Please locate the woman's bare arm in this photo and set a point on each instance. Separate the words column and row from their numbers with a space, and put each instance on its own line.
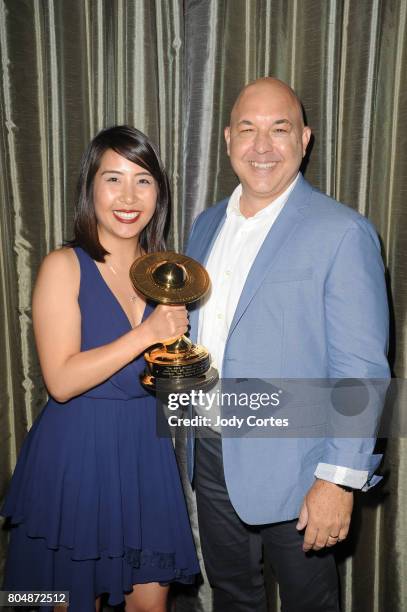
column 57, row 326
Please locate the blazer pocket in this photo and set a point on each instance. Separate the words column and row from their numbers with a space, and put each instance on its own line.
column 289, row 275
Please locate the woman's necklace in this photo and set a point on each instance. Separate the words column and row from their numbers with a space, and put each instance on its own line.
column 133, row 297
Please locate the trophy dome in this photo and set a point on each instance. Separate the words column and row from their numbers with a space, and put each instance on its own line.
column 170, row 275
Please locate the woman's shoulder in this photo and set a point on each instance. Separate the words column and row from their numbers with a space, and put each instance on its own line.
column 64, row 256
column 62, row 264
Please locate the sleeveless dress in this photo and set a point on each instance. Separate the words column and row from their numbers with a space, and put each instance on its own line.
column 96, row 501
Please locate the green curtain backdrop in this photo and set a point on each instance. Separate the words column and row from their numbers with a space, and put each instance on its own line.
column 173, row 68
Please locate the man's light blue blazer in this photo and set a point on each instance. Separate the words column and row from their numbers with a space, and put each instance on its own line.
column 314, row 305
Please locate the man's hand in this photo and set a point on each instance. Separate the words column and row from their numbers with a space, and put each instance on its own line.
column 325, row 513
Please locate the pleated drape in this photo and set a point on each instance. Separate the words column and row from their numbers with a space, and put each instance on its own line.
column 172, row 68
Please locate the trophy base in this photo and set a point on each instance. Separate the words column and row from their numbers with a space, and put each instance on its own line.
column 178, row 365
column 177, row 385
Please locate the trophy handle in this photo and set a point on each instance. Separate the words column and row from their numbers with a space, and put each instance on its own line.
column 180, row 345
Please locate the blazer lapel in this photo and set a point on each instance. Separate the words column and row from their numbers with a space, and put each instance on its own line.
column 282, row 228
column 199, row 249
column 202, row 244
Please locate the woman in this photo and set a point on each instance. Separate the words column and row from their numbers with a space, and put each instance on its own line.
column 95, row 501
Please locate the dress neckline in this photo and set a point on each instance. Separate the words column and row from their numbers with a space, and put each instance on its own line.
column 116, row 299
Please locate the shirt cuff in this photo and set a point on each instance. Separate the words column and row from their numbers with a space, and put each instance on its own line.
column 348, row 477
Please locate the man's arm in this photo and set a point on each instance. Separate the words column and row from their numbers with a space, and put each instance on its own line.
column 356, row 315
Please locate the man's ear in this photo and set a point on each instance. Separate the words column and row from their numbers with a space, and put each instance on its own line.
column 306, row 135
column 227, row 139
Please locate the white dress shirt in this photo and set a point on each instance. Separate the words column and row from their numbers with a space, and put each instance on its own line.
column 228, row 265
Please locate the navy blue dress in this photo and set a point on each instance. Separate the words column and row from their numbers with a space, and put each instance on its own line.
column 96, row 501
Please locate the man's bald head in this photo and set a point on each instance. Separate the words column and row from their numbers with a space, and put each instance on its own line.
column 268, row 86
column 266, row 141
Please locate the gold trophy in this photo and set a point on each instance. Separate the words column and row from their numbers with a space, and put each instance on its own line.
column 171, row 278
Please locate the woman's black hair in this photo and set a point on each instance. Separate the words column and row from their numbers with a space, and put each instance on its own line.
column 137, row 148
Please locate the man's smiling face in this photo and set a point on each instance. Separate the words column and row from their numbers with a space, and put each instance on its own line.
column 266, row 140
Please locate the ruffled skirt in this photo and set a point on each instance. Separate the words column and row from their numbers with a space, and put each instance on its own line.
column 96, row 504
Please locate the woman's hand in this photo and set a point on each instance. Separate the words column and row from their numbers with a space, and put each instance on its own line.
column 165, row 323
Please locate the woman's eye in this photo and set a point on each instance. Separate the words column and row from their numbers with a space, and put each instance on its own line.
column 145, row 181
column 112, row 179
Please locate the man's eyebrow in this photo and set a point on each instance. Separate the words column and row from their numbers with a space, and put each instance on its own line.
column 244, row 122
column 280, row 121
column 276, row 122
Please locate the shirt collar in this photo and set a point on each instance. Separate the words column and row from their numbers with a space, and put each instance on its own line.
column 234, row 201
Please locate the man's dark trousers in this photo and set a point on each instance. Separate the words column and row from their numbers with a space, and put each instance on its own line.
column 232, row 550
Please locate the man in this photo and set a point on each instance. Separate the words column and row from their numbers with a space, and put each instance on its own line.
column 297, row 292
